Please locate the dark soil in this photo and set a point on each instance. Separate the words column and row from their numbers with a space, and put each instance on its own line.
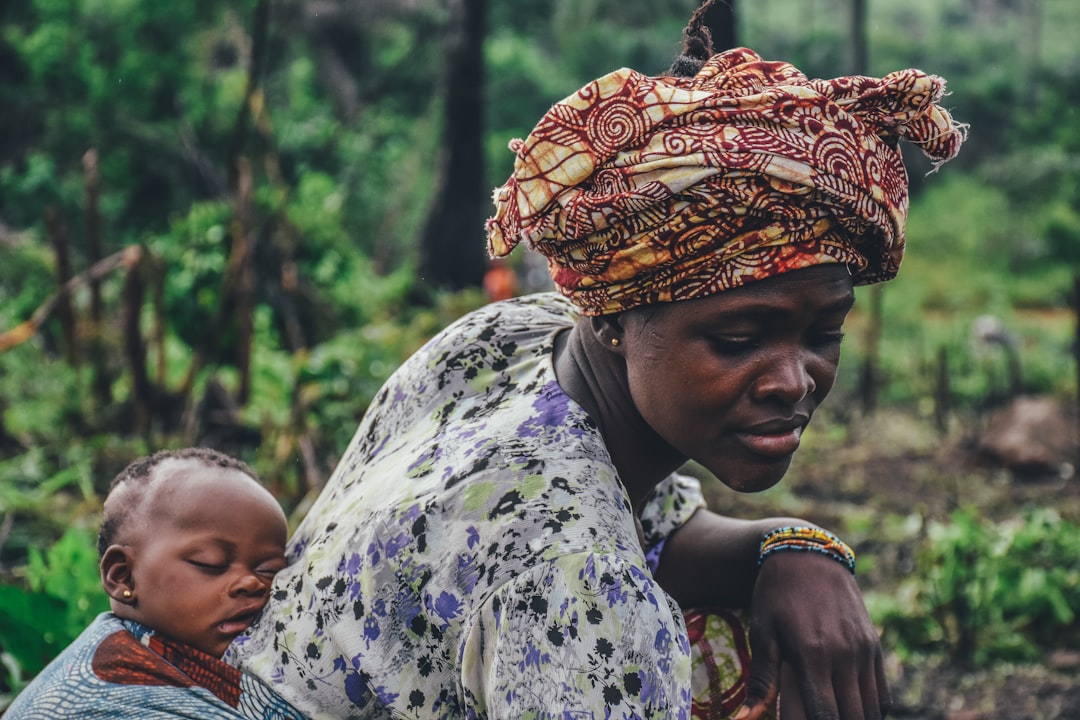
column 861, row 476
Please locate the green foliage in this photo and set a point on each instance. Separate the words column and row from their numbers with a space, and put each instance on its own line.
column 61, row 596
column 196, row 251
column 25, row 278
column 341, row 376
column 985, row 593
column 28, row 640
column 43, row 394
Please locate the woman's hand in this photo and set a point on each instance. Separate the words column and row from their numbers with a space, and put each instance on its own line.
column 808, row 616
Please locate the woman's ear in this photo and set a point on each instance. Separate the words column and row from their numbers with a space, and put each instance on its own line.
column 607, row 330
column 116, row 575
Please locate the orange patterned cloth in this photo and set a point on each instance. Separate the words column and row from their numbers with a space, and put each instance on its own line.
column 653, row 189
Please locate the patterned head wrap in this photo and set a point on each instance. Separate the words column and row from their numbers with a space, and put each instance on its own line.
column 654, row 189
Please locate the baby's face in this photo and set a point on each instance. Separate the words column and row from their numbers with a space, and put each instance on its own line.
column 203, row 562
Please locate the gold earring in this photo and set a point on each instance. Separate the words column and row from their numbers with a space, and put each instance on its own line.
column 126, row 593
column 614, row 342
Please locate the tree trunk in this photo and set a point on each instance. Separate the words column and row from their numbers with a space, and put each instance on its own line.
column 58, row 237
column 723, row 25
column 93, row 227
column 452, row 249
column 135, row 349
column 240, row 277
column 860, row 56
column 101, row 384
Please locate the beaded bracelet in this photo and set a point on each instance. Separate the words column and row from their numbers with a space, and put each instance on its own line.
column 807, row 539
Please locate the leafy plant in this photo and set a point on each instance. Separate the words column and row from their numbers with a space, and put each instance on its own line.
column 985, row 593
column 62, row 595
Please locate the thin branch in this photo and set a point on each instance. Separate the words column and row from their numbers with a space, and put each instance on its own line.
column 126, row 258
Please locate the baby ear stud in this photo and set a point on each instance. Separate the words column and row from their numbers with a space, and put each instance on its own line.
column 614, row 342
column 126, row 593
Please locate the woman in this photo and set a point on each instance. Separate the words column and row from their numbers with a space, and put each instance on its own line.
column 506, row 535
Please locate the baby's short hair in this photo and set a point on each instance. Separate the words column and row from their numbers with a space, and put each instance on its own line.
column 137, row 475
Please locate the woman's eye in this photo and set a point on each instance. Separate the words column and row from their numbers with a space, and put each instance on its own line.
column 827, row 338
column 733, row 345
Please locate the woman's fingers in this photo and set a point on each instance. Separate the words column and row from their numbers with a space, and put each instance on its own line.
column 790, row 702
column 876, row 690
column 763, row 684
column 808, row 615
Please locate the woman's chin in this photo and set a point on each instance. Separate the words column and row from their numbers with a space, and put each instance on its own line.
column 752, row 479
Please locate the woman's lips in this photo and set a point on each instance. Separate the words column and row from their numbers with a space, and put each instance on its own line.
column 772, row 444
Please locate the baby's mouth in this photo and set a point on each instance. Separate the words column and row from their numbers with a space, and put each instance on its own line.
column 237, row 624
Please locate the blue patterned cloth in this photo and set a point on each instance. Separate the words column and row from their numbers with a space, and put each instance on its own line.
column 118, row 669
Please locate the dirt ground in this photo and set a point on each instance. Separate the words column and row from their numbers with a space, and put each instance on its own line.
column 859, row 474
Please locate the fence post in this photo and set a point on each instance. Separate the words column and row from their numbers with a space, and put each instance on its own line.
column 942, row 399
column 868, row 380
column 1076, row 357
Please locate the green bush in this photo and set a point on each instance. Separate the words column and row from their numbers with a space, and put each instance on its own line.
column 984, row 593
column 62, row 594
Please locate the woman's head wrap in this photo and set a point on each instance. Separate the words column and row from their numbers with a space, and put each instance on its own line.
column 653, row 189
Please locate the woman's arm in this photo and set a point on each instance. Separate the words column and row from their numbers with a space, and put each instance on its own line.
column 712, row 560
column 806, row 613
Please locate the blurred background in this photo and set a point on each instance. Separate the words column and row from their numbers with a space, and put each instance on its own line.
column 225, row 222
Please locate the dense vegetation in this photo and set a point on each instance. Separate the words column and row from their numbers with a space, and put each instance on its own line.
column 241, row 194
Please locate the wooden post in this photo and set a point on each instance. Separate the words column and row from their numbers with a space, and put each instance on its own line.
column 868, row 381
column 942, row 393
column 1076, row 353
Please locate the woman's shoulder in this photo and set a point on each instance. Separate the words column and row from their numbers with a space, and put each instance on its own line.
column 475, row 361
column 536, row 316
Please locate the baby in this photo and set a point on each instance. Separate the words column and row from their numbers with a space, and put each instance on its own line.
column 189, row 545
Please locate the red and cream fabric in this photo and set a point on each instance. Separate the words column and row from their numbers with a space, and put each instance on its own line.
column 653, row 189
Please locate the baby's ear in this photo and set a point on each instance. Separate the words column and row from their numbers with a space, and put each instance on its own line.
column 116, row 574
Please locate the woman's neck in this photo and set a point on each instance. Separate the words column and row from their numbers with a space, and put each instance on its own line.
column 595, row 378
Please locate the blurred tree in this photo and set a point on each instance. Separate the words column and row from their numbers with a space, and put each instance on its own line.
column 451, row 243
column 722, row 21
column 860, row 46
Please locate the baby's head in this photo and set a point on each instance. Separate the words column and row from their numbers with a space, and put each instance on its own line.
column 189, row 545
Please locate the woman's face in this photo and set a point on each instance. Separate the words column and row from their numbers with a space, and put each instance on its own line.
column 731, row 380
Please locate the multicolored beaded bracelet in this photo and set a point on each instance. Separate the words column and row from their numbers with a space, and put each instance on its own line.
column 807, row 539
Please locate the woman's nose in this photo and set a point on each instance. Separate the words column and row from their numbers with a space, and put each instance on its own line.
column 787, row 377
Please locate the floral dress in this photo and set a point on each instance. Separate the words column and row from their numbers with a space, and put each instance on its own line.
column 474, row 554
